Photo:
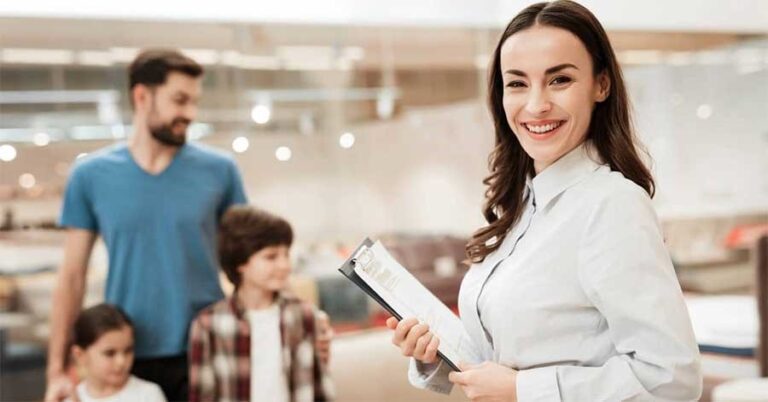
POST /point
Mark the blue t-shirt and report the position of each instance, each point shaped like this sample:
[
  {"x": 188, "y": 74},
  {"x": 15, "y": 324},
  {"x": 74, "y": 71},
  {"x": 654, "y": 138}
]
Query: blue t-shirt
[{"x": 160, "y": 232}]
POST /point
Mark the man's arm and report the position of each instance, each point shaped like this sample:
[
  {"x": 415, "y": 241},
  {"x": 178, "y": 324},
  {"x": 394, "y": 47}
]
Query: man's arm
[{"x": 66, "y": 304}]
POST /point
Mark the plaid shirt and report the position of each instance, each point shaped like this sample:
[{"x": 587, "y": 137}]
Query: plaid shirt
[{"x": 220, "y": 353}]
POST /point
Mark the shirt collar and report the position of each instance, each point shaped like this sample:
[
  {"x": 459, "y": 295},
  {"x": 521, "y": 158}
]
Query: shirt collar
[
  {"x": 570, "y": 169},
  {"x": 281, "y": 298}
]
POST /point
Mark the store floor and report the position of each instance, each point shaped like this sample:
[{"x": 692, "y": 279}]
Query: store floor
[{"x": 365, "y": 367}]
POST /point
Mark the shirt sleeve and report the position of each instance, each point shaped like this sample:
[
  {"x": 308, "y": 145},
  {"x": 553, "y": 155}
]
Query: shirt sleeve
[
  {"x": 202, "y": 379},
  {"x": 433, "y": 377},
  {"x": 77, "y": 210},
  {"x": 323, "y": 385},
  {"x": 627, "y": 274},
  {"x": 235, "y": 194}
]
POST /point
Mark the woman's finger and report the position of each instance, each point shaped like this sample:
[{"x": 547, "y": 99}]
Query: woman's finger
[
  {"x": 416, "y": 332},
  {"x": 421, "y": 345},
  {"x": 402, "y": 329},
  {"x": 430, "y": 353}
]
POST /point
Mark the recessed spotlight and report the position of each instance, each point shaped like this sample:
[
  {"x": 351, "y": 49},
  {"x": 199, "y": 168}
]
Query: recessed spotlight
[
  {"x": 704, "y": 111},
  {"x": 240, "y": 144},
  {"x": 41, "y": 139},
  {"x": 347, "y": 140},
  {"x": 283, "y": 154},
  {"x": 27, "y": 181},
  {"x": 7, "y": 153},
  {"x": 261, "y": 114}
]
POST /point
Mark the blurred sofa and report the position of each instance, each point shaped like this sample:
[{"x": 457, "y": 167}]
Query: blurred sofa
[{"x": 437, "y": 261}]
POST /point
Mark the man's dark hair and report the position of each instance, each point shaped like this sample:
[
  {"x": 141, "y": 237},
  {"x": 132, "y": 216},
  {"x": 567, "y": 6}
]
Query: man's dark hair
[
  {"x": 95, "y": 321},
  {"x": 152, "y": 66},
  {"x": 244, "y": 231}
]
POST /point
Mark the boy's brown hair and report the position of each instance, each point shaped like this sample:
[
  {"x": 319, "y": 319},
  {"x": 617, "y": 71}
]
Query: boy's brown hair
[{"x": 246, "y": 230}]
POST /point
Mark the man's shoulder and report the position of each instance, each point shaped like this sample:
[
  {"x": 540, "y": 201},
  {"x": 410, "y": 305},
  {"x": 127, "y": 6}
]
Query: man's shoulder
[
  {"x": 109, "y": 155},
  {"x": 201, "y": 152},
  {"x": 97, "y": 163}
]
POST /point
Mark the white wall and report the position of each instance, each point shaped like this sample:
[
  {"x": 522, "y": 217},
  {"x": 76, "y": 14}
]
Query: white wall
[
  {"x": 423, "y": 171},
  {"x": 704, "y": 167},
  {"x": 692, "y": 15},
  {"x": 419, "y": 173}
]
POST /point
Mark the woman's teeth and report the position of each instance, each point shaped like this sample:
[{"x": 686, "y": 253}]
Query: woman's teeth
[{"x": 543, "y": 128}]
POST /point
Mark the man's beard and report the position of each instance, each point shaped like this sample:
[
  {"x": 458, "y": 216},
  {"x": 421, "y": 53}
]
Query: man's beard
[{"x": 165, "y": 135}]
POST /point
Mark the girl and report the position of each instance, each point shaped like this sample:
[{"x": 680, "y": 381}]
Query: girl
[
  {"x": 571, "y": 295},
  {"x": 103, "y": 350}
]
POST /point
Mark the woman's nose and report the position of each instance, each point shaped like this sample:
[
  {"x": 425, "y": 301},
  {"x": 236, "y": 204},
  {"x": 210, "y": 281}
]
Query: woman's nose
[{"x": 538, "y": 103}]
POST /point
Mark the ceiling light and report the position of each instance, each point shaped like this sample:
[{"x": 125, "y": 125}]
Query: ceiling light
[
  {"x": 41, "y": 139},
  {"x": 704, "y": 111},
  {"x": 38, "y": 56},
  {"x": 283, "y": 154},
  {"x": 7, "y": 153},
  {"x": 347, "y": 140},
  {"x": 240, "y": 144},
  {"x": 27, "y": 180},
  {"x": 261, "y": 113},
  {"x": 385, "y": 104}
]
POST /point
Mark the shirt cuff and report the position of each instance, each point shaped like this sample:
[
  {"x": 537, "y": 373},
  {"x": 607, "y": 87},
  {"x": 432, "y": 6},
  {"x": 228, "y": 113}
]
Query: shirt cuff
[
  {"x": 538, "y": 385},
  {"x": 433, "y": 377}
]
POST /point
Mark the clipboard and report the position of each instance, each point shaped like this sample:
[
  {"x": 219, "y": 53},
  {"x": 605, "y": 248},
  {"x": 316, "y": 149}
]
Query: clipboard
[{"x": 348, "y": 270}]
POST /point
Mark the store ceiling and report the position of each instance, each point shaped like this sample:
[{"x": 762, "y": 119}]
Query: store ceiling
[{"x": 321, "y": 69}]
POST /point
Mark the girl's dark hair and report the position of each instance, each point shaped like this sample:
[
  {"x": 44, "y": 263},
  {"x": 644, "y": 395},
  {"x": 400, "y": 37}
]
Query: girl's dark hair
[
  {"x": 610, "y": 130},
  {"x": 95, "y": 321},
  {"x": 244, "y": 231}
]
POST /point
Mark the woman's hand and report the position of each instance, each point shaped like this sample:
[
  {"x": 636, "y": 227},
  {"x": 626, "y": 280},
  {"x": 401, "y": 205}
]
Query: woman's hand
[
  {"x": 486, "y": 382},
  {"x": 414, "y": 339}
]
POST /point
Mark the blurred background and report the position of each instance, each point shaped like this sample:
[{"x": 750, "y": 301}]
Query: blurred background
[{"x": 365, "y": 118}]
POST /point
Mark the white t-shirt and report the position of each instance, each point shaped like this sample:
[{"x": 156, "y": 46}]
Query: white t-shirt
[
  {"x": 135, "y": 390},
  {"x": 268, "y": 382}
]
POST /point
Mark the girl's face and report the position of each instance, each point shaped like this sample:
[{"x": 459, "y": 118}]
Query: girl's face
[
  {"x": 549, "y": 91},
  {"x": 267, "y": 269},
  {"x": 108, "y": 361}
]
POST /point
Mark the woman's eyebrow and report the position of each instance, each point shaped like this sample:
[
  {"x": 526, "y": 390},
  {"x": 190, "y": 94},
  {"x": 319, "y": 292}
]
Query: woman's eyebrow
[{"x": 548, "y": 71}]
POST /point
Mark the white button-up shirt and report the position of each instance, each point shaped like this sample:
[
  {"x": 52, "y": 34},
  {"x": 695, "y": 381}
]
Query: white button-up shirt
[{"x": 581, "y": 296}]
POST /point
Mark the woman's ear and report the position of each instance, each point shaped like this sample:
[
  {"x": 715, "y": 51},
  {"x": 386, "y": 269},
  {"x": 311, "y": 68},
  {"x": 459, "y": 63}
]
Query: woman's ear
[
  {"x": 77, "y": 353},
  {"x": 603, "y": 87}
]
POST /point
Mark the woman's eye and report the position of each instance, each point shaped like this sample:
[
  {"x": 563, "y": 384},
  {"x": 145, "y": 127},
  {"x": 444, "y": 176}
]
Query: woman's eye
[
  {"x": 561, "y": 80},
  {"x": 516, "y": 84}
]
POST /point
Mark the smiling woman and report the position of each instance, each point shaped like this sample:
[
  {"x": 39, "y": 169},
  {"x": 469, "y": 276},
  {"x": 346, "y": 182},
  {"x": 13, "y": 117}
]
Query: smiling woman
[
  {"x": 548, "y": 100},
  {"x": 572, "y": 295}
]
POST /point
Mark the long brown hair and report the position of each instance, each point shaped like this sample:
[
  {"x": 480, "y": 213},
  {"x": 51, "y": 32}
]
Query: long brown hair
[{"x": 610, "y": 129}]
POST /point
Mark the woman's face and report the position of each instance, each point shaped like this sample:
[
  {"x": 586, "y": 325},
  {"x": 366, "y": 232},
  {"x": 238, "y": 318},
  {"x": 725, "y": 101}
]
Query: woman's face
[{"x": 549, "y": 91}]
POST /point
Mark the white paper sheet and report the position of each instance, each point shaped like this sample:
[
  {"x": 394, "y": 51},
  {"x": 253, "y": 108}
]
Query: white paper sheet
[{"x": 406, "y": 295}]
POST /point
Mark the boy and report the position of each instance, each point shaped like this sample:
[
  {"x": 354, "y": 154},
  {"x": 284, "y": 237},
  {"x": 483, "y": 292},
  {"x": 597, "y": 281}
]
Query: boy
[{"x": 257, "y": 344}]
